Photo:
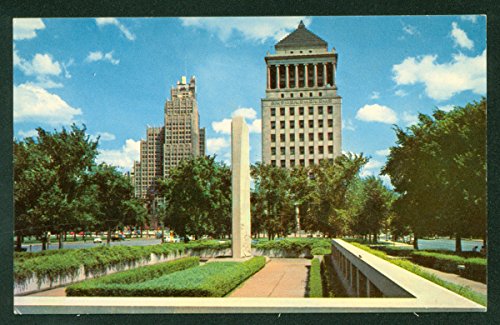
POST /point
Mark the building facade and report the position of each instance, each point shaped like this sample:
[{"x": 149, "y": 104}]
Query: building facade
[
  {"x": 301, "y": 113},
  {"x": 180, "y": 138}
]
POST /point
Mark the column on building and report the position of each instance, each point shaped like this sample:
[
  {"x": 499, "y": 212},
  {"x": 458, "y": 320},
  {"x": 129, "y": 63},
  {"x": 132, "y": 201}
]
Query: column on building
[
  {"x": 296, "y": 75},
  {"x": 277, "y": 76}
]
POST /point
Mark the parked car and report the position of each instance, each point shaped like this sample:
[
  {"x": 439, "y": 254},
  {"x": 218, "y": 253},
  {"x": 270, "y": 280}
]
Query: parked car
[
  {"x": 97, "y": 240},
  {"x": 117, "y": 237}
]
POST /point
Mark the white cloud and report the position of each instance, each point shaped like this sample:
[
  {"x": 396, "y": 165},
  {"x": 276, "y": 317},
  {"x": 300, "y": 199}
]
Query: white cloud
[
  {"x": 410, "y": 119},
  {"x": 42, "y": 64},
  {"x": 33, "y": 103},
  {"x": 214, "y": 145},
  {"x": 257, "y": 29},
  {"x": 223, "y": 126},
  {"x": 400, "y": 93},
  {"x": 373, "y": 164},
  {"x": 443, "y": 80},
  {"x": 471, "y": 18},
  {"x": 375, "y": 95},
  {"x": 255, "y": 126},
  {"x": 411, "y": 30},
  {"x": 113, "y": 21},
  {"x": 103, "y": 136},
  {"x": 99, "y": 56},
  {"x": 447, "y": 108},
  {"x": 123, "y": 158},
  {"x": 376, "y": 113},
  {"x": 27, "y": 134},
  {"x": 386, "y": 179},
  {"x": 348, "y": 125},
  {"x": 249, "y": 113},
  {"x": 383, "y": 152},
  {"x": 460, "y": 37},
  {"x": 25, "y": 28}
]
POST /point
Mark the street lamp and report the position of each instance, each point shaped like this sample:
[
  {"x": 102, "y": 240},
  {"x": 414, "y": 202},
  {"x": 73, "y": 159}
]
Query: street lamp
[{"x": 297, "y": 219}]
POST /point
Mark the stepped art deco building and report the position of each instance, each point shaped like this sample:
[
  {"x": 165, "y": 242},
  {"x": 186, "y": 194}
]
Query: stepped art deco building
[
  {"x": 301, "y": 113},
  {"x": 164, "y": 147}
]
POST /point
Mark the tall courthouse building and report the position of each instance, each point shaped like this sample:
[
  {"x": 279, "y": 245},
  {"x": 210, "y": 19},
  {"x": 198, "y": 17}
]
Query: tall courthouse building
[
  {"x": 180, "y": 138},
  {"x": 301, "y": 113}
]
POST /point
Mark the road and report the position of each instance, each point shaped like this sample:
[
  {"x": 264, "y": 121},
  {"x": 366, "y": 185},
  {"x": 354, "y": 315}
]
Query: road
[{"x": 89, "y": 243}]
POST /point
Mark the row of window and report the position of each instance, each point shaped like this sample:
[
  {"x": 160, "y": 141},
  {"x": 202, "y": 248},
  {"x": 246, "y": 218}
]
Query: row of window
[
  {"x": 320, "y": 137},
  {"x": 294, "y": 162},
  {"x": 321, "y": 150},
  {"x": 291, "y": 110},
  {"x": 320, "y": 94},
  {"x": 310, "y": 123}
]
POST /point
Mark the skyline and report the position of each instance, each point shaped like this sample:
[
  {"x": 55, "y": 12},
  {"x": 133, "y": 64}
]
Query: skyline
[{"x": 116, "y": 76}]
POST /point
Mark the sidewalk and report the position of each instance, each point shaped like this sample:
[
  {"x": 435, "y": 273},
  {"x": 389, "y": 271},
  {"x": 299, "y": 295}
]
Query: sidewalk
[
  {"x": 281, "y": 277},
  {"x": 479, "y": 287}
]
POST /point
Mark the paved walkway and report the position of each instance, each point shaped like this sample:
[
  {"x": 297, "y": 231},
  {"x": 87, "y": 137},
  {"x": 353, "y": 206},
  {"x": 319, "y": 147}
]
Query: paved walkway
[
  {"x": 455, "y": 278},
  {"x": 281, "y": 277},
  {"x": 57, "y": 292}
]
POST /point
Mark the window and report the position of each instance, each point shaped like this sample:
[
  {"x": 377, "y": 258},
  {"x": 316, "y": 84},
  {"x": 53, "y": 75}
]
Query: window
[
  {"x": 311, "y": 123},
  {"x": 311, "y": 161},
  {"x": 311, "y": 136},
  {"x": 282, "y": 163},
  {"x": 311, "y": 150},
  {"x": 273, "y": 125},
  {"x": 282, "y": 95},
  {"x": 282, "y": 150},
  {"x": 301, "y": 150},
  {"x": 320, "y": 123},
  {"x": 292, "y": 137},
  {"x": 301, "y": 124},
  {"x": 292, "y": 150},
  {"x": 301, "y": 95},
  {"x": 292, "y": 124},
  {"x": 282, "y": 137},
  {"x": 330, "y": 149},
  {"x": 291, "y": 95},
  {"x": 301, "y": 110},
  {"x": 282, "y": 124},
  {"x": 282, "y": 111},
  {"x": 301, "y": 137},
  {"x": 311, "y": 110},
  {"x": 292, "y": 163},
  {"x": 302, "y": 163},
  {"x": 292, "y": 109},
  {"x": 330, "y": 136},
  {"x": 273, "y": 111},
  {"x": 320, "y": 94},
  {"x": 330, "y": 109},
  {"x": 320, "y": 149},
  {"x": 273, "y": 162},
  {"x": 273, "y": 137},
  {"x": 320, "y": 110},
  {"x": 320, "y": 136},
  {"x": 330, "y": 122},
  {"x": 273, "y": 151}
]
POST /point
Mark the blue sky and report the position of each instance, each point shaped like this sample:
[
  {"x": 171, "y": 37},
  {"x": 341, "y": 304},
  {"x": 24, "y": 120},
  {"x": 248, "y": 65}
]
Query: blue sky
[{"x": 115, "y": 74}]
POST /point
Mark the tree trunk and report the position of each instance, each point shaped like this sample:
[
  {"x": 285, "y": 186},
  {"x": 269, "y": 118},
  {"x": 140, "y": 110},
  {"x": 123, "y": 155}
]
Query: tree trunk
[
  {"x": 108, "y": 238},
  {"x": 415, "y": 242},
  {"x": 141, "y": 232},
  {"x": 375, "y": 239},
  {"x": 19, "y": 241},
  {"x": 74, "y": 236},
  {"x": 458, "y": 243},
  {"x": 65, "y": 234},
  {"x": 44, "y": 242},
  {"x": 60, "y": 240}
]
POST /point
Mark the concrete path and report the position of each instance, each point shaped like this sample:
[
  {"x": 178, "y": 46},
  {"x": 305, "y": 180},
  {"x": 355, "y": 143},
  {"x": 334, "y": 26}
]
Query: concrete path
[
  {"x": 57, "y": 292},
  {"x": 281, "y": 277},
  {"x": 457, "y": 279}
]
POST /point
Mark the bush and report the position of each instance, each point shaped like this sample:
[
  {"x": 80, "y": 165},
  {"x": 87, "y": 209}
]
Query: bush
[
  {"x": 314, "y": 284},
  {"x": 66, "y": 262},
  {"x": 438, "y": 261},
  {"x": 137, "y": 275},
  {"x": 297, "y": 245},
  {"x": 394, "y": 250},
  {"x": 210, "y": 280},
  {"x": 475, "y": 269}
]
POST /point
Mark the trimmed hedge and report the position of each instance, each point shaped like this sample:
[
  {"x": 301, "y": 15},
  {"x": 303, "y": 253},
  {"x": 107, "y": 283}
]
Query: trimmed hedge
[
  {"x": 137, "y": 275},
  {"x": 210, "y": 280},
  {"x": 409, "y": 266},
  {"x": 66, "y": 262},
  {"x": 315, "y": 284},
  {"x": 297, "y": 245}
]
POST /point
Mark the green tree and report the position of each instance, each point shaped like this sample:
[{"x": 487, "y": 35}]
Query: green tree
[
  {"x": 439, "y": 169},
  {"x": 197, "y": 197}
]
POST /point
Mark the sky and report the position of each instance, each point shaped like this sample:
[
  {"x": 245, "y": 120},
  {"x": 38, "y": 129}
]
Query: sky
[{"x": 115, "y": 74}]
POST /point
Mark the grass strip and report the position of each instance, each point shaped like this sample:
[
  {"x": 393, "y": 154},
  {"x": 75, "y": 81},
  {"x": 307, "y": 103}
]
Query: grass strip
[
  {"x": 315, "y": 283},
  {"x": 409, "y": 266}
]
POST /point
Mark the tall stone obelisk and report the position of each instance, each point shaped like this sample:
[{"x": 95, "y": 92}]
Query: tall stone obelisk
[{"x": 240, "y": 182}]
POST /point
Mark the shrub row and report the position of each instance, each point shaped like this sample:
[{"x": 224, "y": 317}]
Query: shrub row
[
  {"x": 409, "y": 266},
  {"x": 96, "y": 260},
  {"x": 297, "y": 245},
  {"x": 138, "y": 275},
  {"x": 315, "y": 283},
  {"x": 475, "y": 268},
  {"x": 210, "y": 280}
]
